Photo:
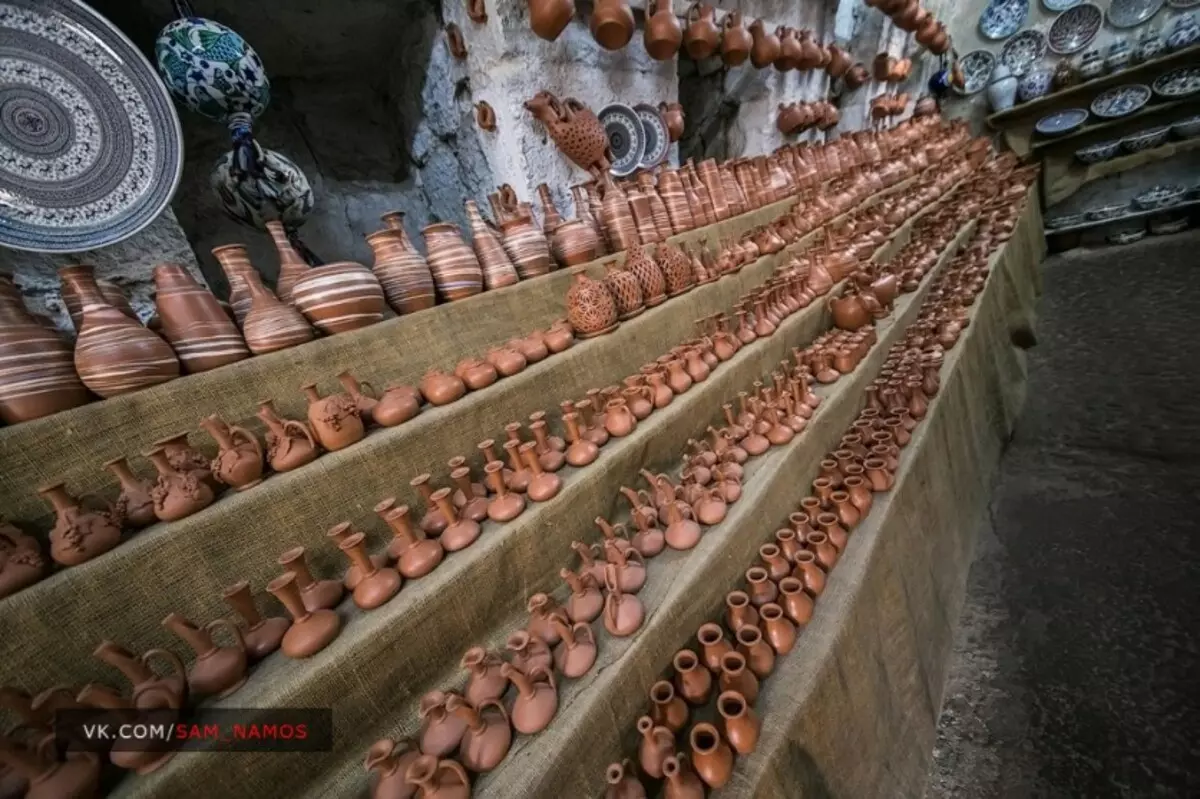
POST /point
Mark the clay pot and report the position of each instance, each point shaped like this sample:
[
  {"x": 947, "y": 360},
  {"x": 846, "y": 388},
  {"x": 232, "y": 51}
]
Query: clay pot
[
  {"x": 339, "y": 297},
  {"x": 149, "y": 690},
  {"x": 110, "y": 291},
  {"x": 766, "y": 46},
  {"x": 712, "y": 757},
  {"x": 193, "y": 322},
  {"x": 262, "y": 636},
  {"x": 37, "y": 373},
  {"x": 591, "y": 309},
  {"x": 702, "y": 36},
  {"x": 662, "y": 34},
  {"x": 611, "y": 24},
  {"x": 78, "y": 534},
  {"x": 736, "y": 41},
  {"x": 218, "y": 670},
  {"x": 271, "y": 325},
  {"x": 548, "y": 18},
  {"x": 673, "y": 116},
  {"x": 415, "y": 554},
  {"x": 740, "y": 722},
  {"x": 487, "y": 736},
  {"x": 574, "y": 243},
  {"x": 292, "y": 267},
  {"x": 390, "y": 763},
  {"x": 839, "y": 62},
  {"x": 848, "y": 312},
  {"x": 176, "y": 494},
  {"x": 791, "y": 52},
  {"x": 666, "y": 708},
  {"x": 438, "y": 779},
  {"x": 290, "y": 444},
  {"x": 402, "y": 272},
  {"x": 311, "y": 630},
  {"x": 812, "y": 577},
  {"x": 439, "y": 388},
  {"x": 239, "y": 461},
  {"x": 335, "y": 420},
  {"x": 457, "y": 273},
  {"x": 114, "y": 354},
  {"x": 485, "y": 681},
  {"x": 619, "y": 421}
]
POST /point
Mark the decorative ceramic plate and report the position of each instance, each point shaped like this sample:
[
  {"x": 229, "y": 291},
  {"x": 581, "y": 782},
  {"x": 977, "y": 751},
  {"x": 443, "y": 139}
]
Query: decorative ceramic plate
[
  {"x": 1101, "y": 151},
  {"x": 658, "y": 140},
  {"x": 1061, "y": 122},
  {"x": 1182, "y": 82},
  {"x": 1066, "y": 220},
  {"x": 1187, "y": 128},
  {"x": 976, "y": 67},
  {"x": 1107, "y": 212},
  {"x": 1073, "y": 29},
  {"x": 1131, "y": 13},
  {"x": 1159, "y": 197},
  {"x": 1022, "y": 51},
  {"x": 1145, "y": 139},
  {"x": 1060, "y": 5},
  {"x": 90, "y": 145},
  {"x": 1183, "y": 3},
  {"x": 1126, "y": 236},
  {"x": 1121, "y": 101},
  {"x": 1165, "y": 224},
  {"x": 626, "y": 138},
  {"x": 1003, "y": 18}
]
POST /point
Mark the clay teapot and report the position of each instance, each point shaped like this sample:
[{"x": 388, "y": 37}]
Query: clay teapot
[
  {"x": 848, "y": 312},
  {"x": 239, "y": 461},
  {"x": 612, "y": 24},
  {"x": 335, "y": 420},
  {"x": 548, "y": 18},
  {"x": 662, "y": 34},
  {"x": 396, "y": 405},
  {"x": 79, "y": 534},
  {"x": 766, "y": 45},
  {"x": 736, "y": 41},
  {"x": 702, "y": 36},
  {"x": 218, "y": 670}
]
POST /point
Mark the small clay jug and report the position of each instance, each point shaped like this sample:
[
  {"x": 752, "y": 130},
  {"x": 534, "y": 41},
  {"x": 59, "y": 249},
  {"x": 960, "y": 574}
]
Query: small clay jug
[
  {"x": 390, "y": 762},
  {"x": 415, "y": 555},
  {"x": 619, "y": 421},
  {"x": 585, "y": 602},
  {"x": 505, "y": 505},
  {"x": 656, "y": 745},
  {"x": 623, "y": 613},
  {"x": 702, "y": 36},
  {"x": 580, "y": 451},
  {"x": 396, "y": 405},
  {"x": 548, "y": 18},
  {"x": 682, "y": 533},
  {"x": 290, "y": 444},
  {"x": 778, "y": 631},
  {"x": 150, "y": 691},
  {"x": 311, "y": 630},
  {"x": 526, "y": 651},
  {"x": 576, "y": 652},
  {"x": 364, "y": 401},
  {"x": 682, "y": 781},
  {"x": 760, "y": 658},
  {"x": 623, "y": 782},
  {"x": 176, "y": 494},
  {"x": 488, "y": 735},
  {"x": 537, "y": 698},
  {"x": 460, "y": 532},
  {"x": 612, "y": 24},
  {"x": 374, "y": 585},
  {"x": 808, "y": 573},
  {"x": 693, "y": 682},
  {"x": 134, "y": 506},
  {"x": 662, "y": 33},
  {"x": 438, "y": 779},
  {"x": 335, "y": 420},
  {"x": 736, "y": 41},
  {"x": 667, "y": 708},
  {"x": 486, "y": 682},
  {"x": 441, "y": 731},
  {"x": 218, "y": 670},
  {"x": 78, "y": 534},
  {"x": 316, "y": 594},
  {"x": 712, "y": 757},
  {"x": 261, "y": 636},
  {"x": 239, "y": 461},
  {"x": 741, "y": 723},
  {"x": 713, "y": 646},
  {"x": 766, "y": 45},
  {"x": 542, "y": 613}
]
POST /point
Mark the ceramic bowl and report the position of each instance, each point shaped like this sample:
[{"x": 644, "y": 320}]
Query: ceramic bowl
[
  {"x": 1106, "y": 212},
  {"x": 1145, "y": 140},
  {"x": 1065, "y": 221},
  {"x": 1121, "y": 101},
  {"x": 1187, "y": 128},
  {"x": 1035, "y": 84},
  {"x": 1128, "y": 236},
  {"x": 1166, "y": 224},
  {"x": 1159, "y": 197},
  {"x": 1101, "y": 151},
  {"x": 1061, "y": 122}
]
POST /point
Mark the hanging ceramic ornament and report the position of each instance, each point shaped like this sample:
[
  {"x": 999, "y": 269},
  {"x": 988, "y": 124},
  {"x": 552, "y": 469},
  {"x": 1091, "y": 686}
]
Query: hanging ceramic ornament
[{"x": 256, "y": 185}]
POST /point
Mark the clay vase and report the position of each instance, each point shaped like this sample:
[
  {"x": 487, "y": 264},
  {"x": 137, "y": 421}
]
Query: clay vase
[
  {"x": 487, "y": 737},
  {"x": 766, "y": 45},
  {"x": 109, "y": 290},
  {"x": 292, "y": 267},
  {"x": 311, "y": 630},
  {"x": 498, "y": 270},
  {"x": 176, "y": 494},
  {"x": 415, "y": 555},
  {"x": 134, "y": 507},
  {"x": 693, "y": 681},
  {"x": 375, "y": 585},
  {"x": 37, "y": 372},
  {"x": 527, "y": 247},
  {"x": 623, "y": 782},
  {"x": 149, "y": 690},
  {"x": 657, "y": 744},
  {"x": 662, "y": 34},
  {"x": 390, "y": 763},
  {"x": 193, "y": 322},
  {"x": 682, "y": 782},
  {"x": 548, "y": 18},
  {"x": 43, "y": 776},
  {"x": 402, "y": 272},
  {"x": 239, "y": 461},
  {"x": 271, "y": 325},
  {"x": 335, "y": 420},
  {"x": 741, "y": 723},
  {"x": 612, "y": 24},
  {"x": 262, "y": 636},
  {"x": 78, "y": 534},
  {"x": 667, "y": 709},
  {"x": 736, "y": 41},
  {"x": 339, "y": 297},
  {"x": 713, "y": 646},
  {"x": 460, "y": 531},
  {"x": 290, "y": 444},
  {"x": 456, "y": 271},
  {"x": 574, "y": 243},
  {"x": 712, "y": 757},
  {"x": 537, "y": 698},
  {"x": 702, "y": 36},
  {"x": 439, "y": 388},
  {"x": 438, "y": 779},
  {"x": 591, "y": 309},
  {"x": 113, "y": 354},
  {"x": 218, "y": 670},
  {"x": 623, "y": 613}
]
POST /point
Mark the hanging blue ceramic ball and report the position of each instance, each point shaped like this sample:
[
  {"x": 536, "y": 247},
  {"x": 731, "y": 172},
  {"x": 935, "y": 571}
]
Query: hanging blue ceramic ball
[{"x": 210, "y": 69}]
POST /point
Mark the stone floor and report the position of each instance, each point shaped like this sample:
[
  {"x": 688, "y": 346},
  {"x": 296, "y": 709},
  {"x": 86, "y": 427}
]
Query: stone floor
[{"x": 1077, "y": 671}]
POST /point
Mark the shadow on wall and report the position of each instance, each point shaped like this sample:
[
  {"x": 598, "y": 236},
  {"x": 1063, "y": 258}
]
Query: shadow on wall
[{"x": 365, "y": 99}]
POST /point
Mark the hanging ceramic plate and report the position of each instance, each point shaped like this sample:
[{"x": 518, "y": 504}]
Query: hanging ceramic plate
[
  {"x": 1131, "y": 13},
  {"x": 1022, "y": 51},
  {"x": 1121, "y": 101},
  {"x": 1183, "y": 3},
  {"x": 90, "y": 146},
  {"x": 1060, "y": 5},
  {"x": 1003, "y": 18},
  {"x": 1061, "y": 122},
  {"x": 626, "y": 138},
  {"x": 976, "y": 67},
  {"x": 1073, "y": 29},
  {"x": 1182, "y": 82},
  {"x": 658, "y": 139}
]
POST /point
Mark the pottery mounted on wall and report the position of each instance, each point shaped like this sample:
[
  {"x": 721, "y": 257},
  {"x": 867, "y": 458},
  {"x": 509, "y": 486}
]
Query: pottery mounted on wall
[
  {"x": 548, "y": 18},
  {"x": 572, "y": 125}
]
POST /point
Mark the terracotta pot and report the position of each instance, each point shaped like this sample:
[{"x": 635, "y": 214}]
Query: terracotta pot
[
  {"x": 712, "y": 757},
  {"x": 335, "y": 420},
  {"x": 415, "y": 555},
  {"x": 292, "y": 267},
  {"x": 612, "y": 24},
  {"x": 456, "y": 271},
  {"x": 114, "y": 354},
  {"x": 791, "y": 53},
  {"x": 674, "y": 117},
  {"x": 839, "y": 62},
  {"x": 662, "y": 33},
  {"x": 290, "y": 444},
  {"x": 548, "y": 18},
  {"x": 656, "y": 745},
  {"x": 736, "y": 41},
  {"x": 498, "y": 270},
  {"x": 402, "y": 272},
  {"x": 848, "y": 312},
  {"x": 693, "y": 681},
  {"x": 262, "y": 636},
  {"x": 766, "y": 46},
  {"x": 271, "y": 325},
  {"x": 235, "y": 263},
  {"x": 339, "y": 297},
  {"x": 856, "y": 76},
  {"x": 527, "y": 247},
  {"x": 882, "y": 66},
  {"x": 78, "y": 534},
  {"x": 37, "y": 373},
  {"x": 439, "y": 388},
  {"x": 702, "y": 36}
]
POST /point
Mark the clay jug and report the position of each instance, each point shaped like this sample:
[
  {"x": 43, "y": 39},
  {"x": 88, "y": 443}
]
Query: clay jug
[
  {"x": 271, "y": 325},
  {"x": 623, "y": 613},
  {"x": 623, "y": 782},
  {"x": 335, "y": 420},
  {"x": 441, "y": 731},
  {"x": 766, "y": 45},
  {"x": 702, "y": 36},
  {"x": 740, "y": 721},
  {"x": 657, "y": 744},
  {"x": 290, "y": 444},
  {"x": 693, "y": 682},
  {"x": 666, "y": 708},
  {"x": 176, "y": 493},
  {"x": 612, "y": 24},
  {"x": 460, "y": 532},
  {"x": 662, "y": 33},
  {"x": 790, "y": 51},
  {"x": 498, "y": 270},
  {"x": 415, "y": 554},
  {"x": 194, "y": 323},
  {"x": 488, "y": 735},
  {"x": 810, "y": 55},
  {"x": 839, "y": 62},
  {"x": 292, "y": 267},
  {"x": 79, "y": 534},
  {"x": 239, "y": 461},
  {"x": 390, "y": 763},
  {"x": 218, "y": 670},
  {"x": 44, "y": 776},
  {"x": 673, "y": 115},
  {"x": 438, "y": 779},
  {"x": 682, "y": 782},
  {"x": 575, "y": 655},
  {"x": 37, "y": 372},
  {"x": 456, "y": 271},
  {"x": 150, "y": 691},
  {"x": 548, "y": 18},
  {"x": 485, "y": 681},
  {"x": 114, "y": 354},
  {"x": 339, "y": 297},
  {"x": 311, "y": 630},
  {"x": 736, "y": 41},
  {"x": 619, "y": 421},
  {"x": 402, "y": 272},
  {"x": 440, "y": 388},
  {"x": 261, "y": 636},
  {"x": 21, "y": 561},
  {"x": 134, "y": 507},
  {"x": 712, "y": 757},
  {"x": 536, "y": 701}
]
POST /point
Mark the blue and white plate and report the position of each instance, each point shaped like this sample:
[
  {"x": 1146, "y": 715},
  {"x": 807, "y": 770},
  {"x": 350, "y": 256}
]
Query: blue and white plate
[
  {"x": 1003, "y": 18},
  {"x": 1104, "y": 212},
  {"x": 1121, "y": 101},
  {"x": 976, "y": 67},
  {"x": 1182, "y": 82},
  {"x": 1023, "y": 51},
  {"x": 1101, "y": 151},
  {"x": 1061, "y": 122},
  {"x": 1157, "y": 197},
  {"x": 1131, "y": 13},
  {"x": 1060, "y": 5},
  {"x": 1187, "y": 128},
  {"x": 1073, "y": 29},
  {"x": 90, "y": 146},
  {"x": 1145, "y": 139}
]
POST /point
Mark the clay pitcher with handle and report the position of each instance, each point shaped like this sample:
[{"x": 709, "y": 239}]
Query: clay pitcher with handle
[
  {"x": 612, "y": 24},
  {"x": 150, "y": 691},
  {"x": 702, "y": 36},
  {"x": 662, "y": 35},
  {"x": 766, "y": 45},
  {"x": 736, "y": 41},
  {"x": 218, "y": 670}
]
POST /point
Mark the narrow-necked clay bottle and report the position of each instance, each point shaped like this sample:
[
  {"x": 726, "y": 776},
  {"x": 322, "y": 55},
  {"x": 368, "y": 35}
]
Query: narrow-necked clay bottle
[
  {"x": 218, "y": 670},
  {"x": 485, "y": 680},
  {"x": 364, "y": 400},
  {"x": 292, "y": 267},
  {"x": 271, "y": 324},
  {"x": 667, "y": 708},
  {"x": 740, "y": 721},
  {"x": 712, "y": 757},
  {"x": 402, "y": 271},
  {"x": 581, "y": 451},
  {"x": 390, "y": 763},
  {"x": 375, "y": 585},
  {"x": 335, "y": 420},
  {"x": 506, "y": 505},
  {"x": 311, "y": 630},
  {"x": 290, "y": 444},
  {"x": 543, "y": 485},
  {"x": 693, "y": 682},
  {"x": 239, "y": 461},
  {"x": 460, "y": 531},
  {"x": 542, "y": 613},
  {"x": 487, "y": 737},
  {"x": 682, "y": 781},
  {"x": 656, "y": 745},
  {"x": 623, "y": 782},
  {"x": 760, "y": 658},
  {"x": 193, "y": 321},
  {"x": 149, "y": 690},
  {"x": 176, "y": 494},
  {"x": 262, "y": 636},
  {"x": 316, "y": 594},
  {"x": 713, "y": 645},
  {"x": 623, "y": 613},
  {"x": 416, "y": 555}
]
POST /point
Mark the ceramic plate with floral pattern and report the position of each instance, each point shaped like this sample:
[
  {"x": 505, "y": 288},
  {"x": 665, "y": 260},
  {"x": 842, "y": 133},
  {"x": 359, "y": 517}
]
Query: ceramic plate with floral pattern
[
  {"x": 1061, "y": 122},
  {"x": 1003, "y": 18},
  {"x": 1073, "y": 29},
  {"x": 1121, "y": 101},
  {"x": 976, "y": 67},
  {"x": 1022, "y": 51},
  {"x": 1131, "y": 13},
  {"x": 1182, "y": 82},
  {"x": 1060, "y": 5}
]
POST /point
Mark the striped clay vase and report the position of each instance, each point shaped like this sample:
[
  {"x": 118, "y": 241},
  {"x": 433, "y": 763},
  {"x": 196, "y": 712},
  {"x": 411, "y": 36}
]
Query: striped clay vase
[
  {"x": 526, "y": 245},
  {"x": 109, "y": 290},
  {"x": 400, "y": 267},
  {"x": 339, "y": 297},
  {"x": 193, "y": 321},
  {"x": 113, "y": 354},
  {"x": 270, "y": 324},
  {"x": 498, "y": 270},
  {"x": 292, "y": 267},
  {"x": 37, "y": 373},
  {"x": 235, "y": 263},
  {"x": 456, "y": 270}
]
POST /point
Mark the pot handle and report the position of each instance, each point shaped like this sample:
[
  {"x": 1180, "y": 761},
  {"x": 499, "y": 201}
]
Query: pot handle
[
  {"x": 250, "y": 438},
  {"x": 289, "y": 424},
  {"x": 693, "y": 13},
  {"x": 492, "y": 703},
  {"x": 167, "y": 655},
  {"x": 233, "y": 629},
  {"x": 456, "y": 769},
  {"x": 371, "y": 392}
]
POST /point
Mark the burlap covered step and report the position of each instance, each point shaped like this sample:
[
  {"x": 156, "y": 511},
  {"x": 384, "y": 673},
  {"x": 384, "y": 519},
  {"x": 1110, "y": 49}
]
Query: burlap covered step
[
  {"x": 72, "y": 446},
  {"x": 854, "y": 713}
]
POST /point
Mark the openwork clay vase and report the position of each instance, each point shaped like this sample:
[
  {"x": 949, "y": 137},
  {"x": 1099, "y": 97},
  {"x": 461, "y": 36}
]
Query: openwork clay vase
[
  {"x": 335, "y": 420},
  {"x": 311, "y": 630},
  {"x": 261, "y": 636},
  {"x": 79, "y": 534},
  {"x": 456, "y": 271},
  {"x": 573, "y": 126},
  {"x": 339, "y": 297},
  {"x": 591, "y": 309},
  {"x": 643, "y": 267},
  {"x": 218, "y": 670},
  {"x": 239, "y": 461},
  {"x": 548, "y": 18},
  {"x": 290, "y": 444},
  {"x": 37, "y": 372},
  {"x": 662, "y": 34},
  {"x": 194, "y": 323},
  {"x": 402, "y": 272},
  {"x": 114, "y": 354},
  {"x": 271, "y": 325}
]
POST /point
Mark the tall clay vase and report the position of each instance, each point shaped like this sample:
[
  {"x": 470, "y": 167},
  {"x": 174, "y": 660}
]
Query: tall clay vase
[
  {"x": 37, "y": 372},
  {"x": 551, "y": 219},
  {"x": 235, "y": 263},
  {"x": 574, "y": 243},
  {"x": 527, "y": 247},
  {"x": 193, "y": 322},
  {"x": 612, "y": 24},
  {"x": 498, "y": 270},
  {"x": 270, "y": 324},
  {"x": 456, "y": 271},
  {"x": 548, "y": 18},
  {"x": 109, "y": 290},
  {"x": 113, "y": 354},
  {"x": 292, "y": 267},
  {"x": 339, "y": 297},
  {"x": 617, "y": 218},
  {"x": 402, "y": 272}
]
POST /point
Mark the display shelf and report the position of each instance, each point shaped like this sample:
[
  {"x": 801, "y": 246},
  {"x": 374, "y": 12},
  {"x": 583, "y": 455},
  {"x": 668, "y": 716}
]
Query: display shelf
[
  {"x": 1063, "y": 177},
  {"x": 1089, "y": 131},
  {"x": 1183, "y": 206},
  {"x": 1081, "y": 95}
]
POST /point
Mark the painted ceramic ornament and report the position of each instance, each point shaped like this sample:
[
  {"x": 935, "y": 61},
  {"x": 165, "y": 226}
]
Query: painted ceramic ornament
[
  {"x": 1022, "y": 52},
  {"x": 1178, "y": 83},
  {"x": 658, "y": 138},
  {"x": 91, "y": 145},
  {"x": 626, "y": 137},
  {"x": 256, "y": 185},
  {"x": 1061, "y": 122},
  {"x": 1003, "y": 18},
  {"x": 1120, "y": 101},
  {"x": 1131, "y": 13}
]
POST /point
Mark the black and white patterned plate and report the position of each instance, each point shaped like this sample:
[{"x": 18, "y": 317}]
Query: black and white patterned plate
[
  {"x": 626, "y": 138},
  {"x": 658, "y": 138}
]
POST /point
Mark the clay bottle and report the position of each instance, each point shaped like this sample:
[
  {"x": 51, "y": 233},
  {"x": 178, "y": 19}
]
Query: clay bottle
[
  {"x": 623, "y": 613},
  {"x": 415, "y": 555},
  {"x": 487, "y": 737},
  {"x": 433, "y": 522},
  {"x": 335, "y": 420},
  {"x": 176, "y": 494},
  {"x": 656, "y": 745},
  {"x": 149, "y": 689},
  {"x": 292, "y": 267},
  {"x": 760, "y": 658},
  {"x": 402, "y": 271},
  {"x": 47, "y": 777},
  {"x": 682, "y": 782},
  {"x": 585, "y": 602},
  {"x": 438, "y": 779},
  {"x": 774, "y": 562},
  {"x": 290, "y": 444},
  {"x": 692, "y": 681},
  {"x": 460, "y": 532},
  {"x": 316, "y": 594},
  {"x": 543, "y": 485},
  {"x": 623, "y": 782},
  {"x": 78, "y": 534},
  {"x": 760, "y": 587},
  {"x": 262, "y": 636},
  {"x": 713, "y": 646},
  {"x": 575, "y": 654},
  {"x": 666, "y": 708},
  {"x": 218, "y": 670},
  {"x": 712, "y": 757},
  {"x": 390, "y": 763},
  {"x": 485, "y": 681},
  {"x": 239, "y": 461},
  {"x": 498, "y": 269},
  {"x": 581, "y": 451},
  {"x": 36, "y": 364},
  {"x": 311, "y": 631},
  {"x": 470, "y": 498},
  {"x": 375, "y": 585},
  {"x": 740, "y": 721},
  {"x": 548, "y": 18},
  {"x": 506, "y": 505},
  {"x": 777, "y": 630}
]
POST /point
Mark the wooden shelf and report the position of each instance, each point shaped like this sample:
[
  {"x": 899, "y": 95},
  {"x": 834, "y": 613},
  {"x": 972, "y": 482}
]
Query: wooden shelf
[
  {"x": 1063, "y": 177},
  {"x": 1186, "y": 204},
  {"x": 1086, "y": 131},
  {"x": 1082, "y": 94}
]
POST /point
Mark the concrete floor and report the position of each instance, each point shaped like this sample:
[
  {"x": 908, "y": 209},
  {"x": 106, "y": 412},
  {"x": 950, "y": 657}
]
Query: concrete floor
[{"x": 1076, "y": 671}]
